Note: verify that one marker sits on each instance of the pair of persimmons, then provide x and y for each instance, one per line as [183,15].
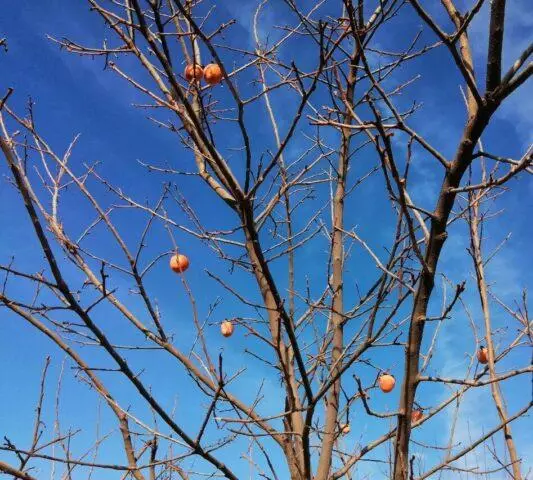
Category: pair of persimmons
[179,263]
[386,382]
[416,415]
[212,73]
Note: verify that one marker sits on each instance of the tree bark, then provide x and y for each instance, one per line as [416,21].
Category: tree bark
[438,234]
[298,461]
[483,295]
[337,282]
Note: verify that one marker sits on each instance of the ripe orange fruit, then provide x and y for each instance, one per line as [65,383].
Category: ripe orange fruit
[482,355]
[179,263]
[386,382]
[226,328]
[194,72]
[346,25]
[212,74]
[416,415]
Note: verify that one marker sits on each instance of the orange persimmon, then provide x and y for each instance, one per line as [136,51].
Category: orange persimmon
[179,263]
[482,355]
[212,74]
[416,415]
[194,72]
[386,382]
[226,328]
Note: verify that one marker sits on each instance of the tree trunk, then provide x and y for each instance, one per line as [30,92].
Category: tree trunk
[438,234]
[483,295]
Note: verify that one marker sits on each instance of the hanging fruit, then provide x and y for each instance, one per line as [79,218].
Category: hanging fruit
[345,429]
[416,415]
[346,25]
[226,328]
[386,382]
[179,263]
[194,72]
[482,355]
[212,74]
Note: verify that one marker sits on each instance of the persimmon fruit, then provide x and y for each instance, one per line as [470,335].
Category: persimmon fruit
[482,355]
[212,74]
[227,328]
[416,415]
[194,72]
[386,382]
[179,263]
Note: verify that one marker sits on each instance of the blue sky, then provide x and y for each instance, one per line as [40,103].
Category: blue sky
[74,95]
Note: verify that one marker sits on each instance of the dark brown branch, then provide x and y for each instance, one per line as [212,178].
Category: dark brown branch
[495,50]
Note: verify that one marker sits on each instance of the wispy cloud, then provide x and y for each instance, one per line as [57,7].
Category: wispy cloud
[519,24]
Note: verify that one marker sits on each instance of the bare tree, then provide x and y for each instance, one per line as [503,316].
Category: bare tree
[332,121]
